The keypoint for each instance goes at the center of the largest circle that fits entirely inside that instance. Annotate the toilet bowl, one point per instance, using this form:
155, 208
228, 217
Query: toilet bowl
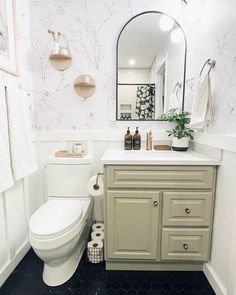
58, 232
59, 229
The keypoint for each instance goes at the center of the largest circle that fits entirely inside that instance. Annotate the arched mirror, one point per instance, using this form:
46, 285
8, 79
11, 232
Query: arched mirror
150, 67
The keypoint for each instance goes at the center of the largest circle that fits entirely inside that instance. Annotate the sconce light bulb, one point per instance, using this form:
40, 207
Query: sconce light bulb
166, 23
177, 36
193, 10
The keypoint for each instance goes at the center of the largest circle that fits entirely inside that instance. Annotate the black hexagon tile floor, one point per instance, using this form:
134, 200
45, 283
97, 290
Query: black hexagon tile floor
93, 279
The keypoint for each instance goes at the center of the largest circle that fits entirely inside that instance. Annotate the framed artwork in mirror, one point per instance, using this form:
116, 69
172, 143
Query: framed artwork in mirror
150, 67
8, 40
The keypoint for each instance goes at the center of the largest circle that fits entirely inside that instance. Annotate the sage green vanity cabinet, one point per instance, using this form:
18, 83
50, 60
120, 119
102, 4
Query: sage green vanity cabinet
158, 217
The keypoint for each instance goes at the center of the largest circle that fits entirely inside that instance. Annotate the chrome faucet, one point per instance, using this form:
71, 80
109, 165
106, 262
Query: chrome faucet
149, 141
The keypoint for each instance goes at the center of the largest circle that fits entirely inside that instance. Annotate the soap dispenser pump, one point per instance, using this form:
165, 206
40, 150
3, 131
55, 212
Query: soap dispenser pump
136, 140
128, 140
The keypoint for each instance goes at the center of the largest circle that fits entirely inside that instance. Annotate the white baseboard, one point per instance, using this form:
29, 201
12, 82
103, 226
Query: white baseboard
13, 263
214, 280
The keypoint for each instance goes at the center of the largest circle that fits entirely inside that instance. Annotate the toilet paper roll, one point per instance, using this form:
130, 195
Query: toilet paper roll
97, 235
98, 226
95, 251
91, 186
95, 247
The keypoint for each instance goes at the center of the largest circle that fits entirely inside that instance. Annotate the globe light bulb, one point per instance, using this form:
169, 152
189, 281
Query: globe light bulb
177, 36
166, 23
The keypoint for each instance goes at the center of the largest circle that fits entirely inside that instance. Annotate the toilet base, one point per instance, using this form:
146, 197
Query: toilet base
59, 271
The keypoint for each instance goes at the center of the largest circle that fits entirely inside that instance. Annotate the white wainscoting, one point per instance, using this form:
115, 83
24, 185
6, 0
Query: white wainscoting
14, 214
17, 204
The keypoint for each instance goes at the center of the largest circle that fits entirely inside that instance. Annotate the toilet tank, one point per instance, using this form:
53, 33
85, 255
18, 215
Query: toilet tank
68, 177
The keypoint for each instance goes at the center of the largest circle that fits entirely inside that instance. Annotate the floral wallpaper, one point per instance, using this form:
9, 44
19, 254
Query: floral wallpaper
92, 28
24, 81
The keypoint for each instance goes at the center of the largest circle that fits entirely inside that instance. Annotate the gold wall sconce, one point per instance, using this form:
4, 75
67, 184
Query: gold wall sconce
85, 86
60, 56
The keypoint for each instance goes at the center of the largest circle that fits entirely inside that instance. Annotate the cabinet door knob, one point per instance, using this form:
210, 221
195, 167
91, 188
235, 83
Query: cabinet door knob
187, 210
185, 246
155, 203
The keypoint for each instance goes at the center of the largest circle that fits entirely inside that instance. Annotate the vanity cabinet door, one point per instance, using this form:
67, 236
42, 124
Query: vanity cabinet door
132, 224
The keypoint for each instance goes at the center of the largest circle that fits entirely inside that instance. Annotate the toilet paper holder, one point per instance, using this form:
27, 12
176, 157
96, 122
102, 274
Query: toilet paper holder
96, 186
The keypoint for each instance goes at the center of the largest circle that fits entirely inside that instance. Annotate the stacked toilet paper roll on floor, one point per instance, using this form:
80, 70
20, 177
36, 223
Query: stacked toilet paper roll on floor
95, 251
97, 235
98, 226
95, 247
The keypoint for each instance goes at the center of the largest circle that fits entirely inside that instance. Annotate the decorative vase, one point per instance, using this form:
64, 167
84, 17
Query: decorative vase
181, 144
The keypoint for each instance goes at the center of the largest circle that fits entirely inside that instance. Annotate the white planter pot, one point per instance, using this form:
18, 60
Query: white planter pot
180, 144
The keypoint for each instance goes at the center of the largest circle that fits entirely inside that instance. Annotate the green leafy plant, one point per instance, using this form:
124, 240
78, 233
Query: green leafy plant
181, 120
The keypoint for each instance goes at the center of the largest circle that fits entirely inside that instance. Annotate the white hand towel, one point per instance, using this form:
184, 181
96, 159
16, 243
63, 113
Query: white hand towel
22, 150
202, 103
174, 101
6, 179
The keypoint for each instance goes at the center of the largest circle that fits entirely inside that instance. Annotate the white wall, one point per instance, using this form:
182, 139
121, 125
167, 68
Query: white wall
14, 203
220, 270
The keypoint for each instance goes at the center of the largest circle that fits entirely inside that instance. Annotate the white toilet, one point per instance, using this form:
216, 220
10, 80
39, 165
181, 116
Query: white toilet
58, 230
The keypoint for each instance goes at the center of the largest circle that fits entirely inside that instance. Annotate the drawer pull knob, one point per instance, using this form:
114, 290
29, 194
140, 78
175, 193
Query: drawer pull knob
187, 210
155, 203
185, 246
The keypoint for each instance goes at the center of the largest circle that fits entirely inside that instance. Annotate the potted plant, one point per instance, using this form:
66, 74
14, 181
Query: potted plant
181, 132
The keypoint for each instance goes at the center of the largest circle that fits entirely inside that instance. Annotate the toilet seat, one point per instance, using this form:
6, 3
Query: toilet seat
54, 218
47, 242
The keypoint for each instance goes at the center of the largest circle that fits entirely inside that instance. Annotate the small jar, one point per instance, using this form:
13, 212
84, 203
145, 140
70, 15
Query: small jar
77, 148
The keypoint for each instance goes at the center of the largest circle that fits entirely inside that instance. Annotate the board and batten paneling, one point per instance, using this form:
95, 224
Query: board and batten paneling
13, 228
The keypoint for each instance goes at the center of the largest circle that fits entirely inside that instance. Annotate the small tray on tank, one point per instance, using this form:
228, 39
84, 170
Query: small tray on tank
66, 154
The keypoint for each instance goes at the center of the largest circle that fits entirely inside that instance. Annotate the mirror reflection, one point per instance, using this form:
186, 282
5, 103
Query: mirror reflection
151, 51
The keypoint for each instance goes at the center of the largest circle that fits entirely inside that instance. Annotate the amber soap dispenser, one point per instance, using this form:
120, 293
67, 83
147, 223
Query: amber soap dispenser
128, 140
136, 140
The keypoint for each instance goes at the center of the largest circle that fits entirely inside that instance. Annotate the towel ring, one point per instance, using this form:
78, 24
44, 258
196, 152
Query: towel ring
209, 62
177, 87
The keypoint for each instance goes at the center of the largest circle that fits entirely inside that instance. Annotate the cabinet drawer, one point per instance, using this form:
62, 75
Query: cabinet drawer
187, 208
185, 244
190, 177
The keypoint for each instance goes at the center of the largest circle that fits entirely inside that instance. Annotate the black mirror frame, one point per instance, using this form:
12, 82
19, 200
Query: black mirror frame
185, 62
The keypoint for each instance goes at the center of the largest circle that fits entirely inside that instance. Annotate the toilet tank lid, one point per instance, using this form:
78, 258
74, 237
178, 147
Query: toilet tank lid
87, 159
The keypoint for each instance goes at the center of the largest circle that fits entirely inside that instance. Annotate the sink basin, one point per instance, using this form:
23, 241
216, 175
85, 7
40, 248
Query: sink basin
143, 157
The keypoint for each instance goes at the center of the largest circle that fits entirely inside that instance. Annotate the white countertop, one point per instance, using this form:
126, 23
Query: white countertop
143, 157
